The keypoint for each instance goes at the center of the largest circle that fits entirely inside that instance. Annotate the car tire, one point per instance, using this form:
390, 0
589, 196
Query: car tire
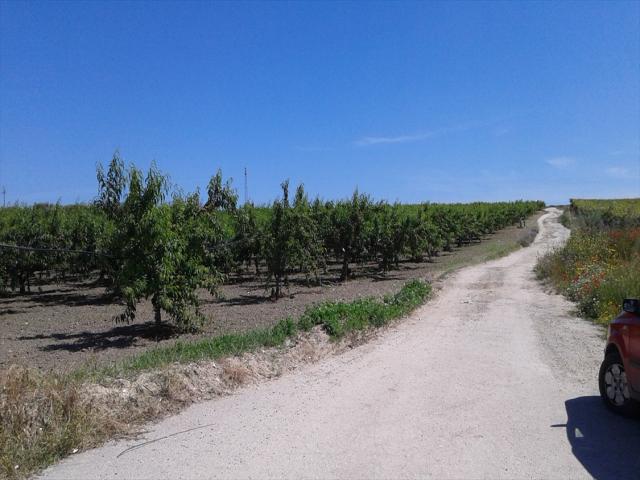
614, 389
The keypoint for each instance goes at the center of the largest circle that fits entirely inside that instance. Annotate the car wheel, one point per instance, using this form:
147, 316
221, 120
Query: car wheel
614, 387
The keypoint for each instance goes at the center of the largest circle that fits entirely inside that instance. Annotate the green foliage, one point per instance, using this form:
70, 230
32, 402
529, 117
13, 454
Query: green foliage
599, 214
291, 239
247, 239
300, 237
111, 186
422, 237
277, 242
348, 234
221, 196
48, 227
307, 248
600, 264
387, 236
161, 251
338, 318
145, 246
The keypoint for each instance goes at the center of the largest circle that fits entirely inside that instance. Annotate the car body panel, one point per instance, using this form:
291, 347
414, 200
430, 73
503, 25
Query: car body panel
624, 334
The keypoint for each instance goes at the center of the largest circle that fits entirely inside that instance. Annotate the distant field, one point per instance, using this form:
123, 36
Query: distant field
628, 208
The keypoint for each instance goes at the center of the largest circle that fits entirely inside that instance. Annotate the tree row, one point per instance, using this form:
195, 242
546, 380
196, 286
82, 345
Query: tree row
146, 240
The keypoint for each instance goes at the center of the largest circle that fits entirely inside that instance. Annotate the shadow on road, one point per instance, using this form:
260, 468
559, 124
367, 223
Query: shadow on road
607, 445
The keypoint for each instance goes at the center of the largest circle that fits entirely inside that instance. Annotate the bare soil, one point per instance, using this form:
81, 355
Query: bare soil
62, 326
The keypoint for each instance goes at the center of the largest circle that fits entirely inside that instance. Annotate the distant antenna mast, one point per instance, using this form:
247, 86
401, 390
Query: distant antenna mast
4, 193
246, 186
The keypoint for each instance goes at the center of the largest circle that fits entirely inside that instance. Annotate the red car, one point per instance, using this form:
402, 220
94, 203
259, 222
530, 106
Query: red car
619, 377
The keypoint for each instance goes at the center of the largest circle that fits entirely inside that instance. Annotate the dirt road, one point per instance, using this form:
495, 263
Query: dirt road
493, 379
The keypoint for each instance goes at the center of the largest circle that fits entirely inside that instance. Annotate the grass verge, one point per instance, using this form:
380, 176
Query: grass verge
339, 318
41, 419
599, 265
45, 417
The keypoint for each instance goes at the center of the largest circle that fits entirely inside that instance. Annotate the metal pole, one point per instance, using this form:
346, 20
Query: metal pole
246, 186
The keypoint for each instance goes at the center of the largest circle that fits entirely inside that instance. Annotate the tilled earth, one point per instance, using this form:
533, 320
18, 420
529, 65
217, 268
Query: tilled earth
63, 326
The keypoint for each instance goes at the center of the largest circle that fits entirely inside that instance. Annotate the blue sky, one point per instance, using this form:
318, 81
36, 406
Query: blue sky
407, 101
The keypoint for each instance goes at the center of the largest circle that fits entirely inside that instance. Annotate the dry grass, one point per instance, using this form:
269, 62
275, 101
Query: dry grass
44, 418
235, 372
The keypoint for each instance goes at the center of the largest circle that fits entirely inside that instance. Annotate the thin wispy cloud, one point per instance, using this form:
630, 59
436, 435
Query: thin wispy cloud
416, 137
560, 162
623, 173
366, 141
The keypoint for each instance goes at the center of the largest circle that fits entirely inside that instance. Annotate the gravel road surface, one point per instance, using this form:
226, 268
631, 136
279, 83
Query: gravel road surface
494, 378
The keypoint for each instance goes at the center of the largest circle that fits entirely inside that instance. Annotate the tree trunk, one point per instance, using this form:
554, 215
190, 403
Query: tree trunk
345, 267
277, 287
158, 314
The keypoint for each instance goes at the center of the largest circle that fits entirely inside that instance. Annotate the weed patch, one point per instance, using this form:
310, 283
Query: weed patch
339, 318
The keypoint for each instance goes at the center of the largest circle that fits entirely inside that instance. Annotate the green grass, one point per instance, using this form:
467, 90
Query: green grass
43, 416
336, 318
339, 318
185, 352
